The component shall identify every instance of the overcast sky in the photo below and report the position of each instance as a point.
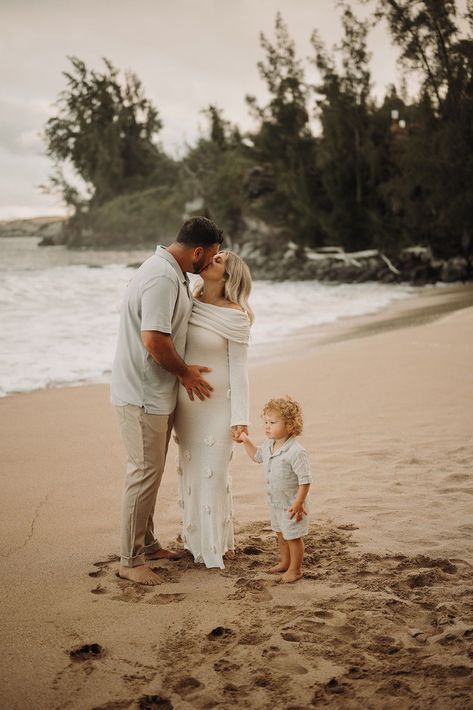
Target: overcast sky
(188, 53)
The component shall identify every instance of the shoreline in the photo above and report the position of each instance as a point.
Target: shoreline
(382, 617)
(426, 304)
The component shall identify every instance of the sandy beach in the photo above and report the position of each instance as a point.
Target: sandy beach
(384, 615)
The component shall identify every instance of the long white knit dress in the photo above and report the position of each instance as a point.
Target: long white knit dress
(218, 338)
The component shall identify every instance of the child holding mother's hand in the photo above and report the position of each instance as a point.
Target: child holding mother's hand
(288, 481)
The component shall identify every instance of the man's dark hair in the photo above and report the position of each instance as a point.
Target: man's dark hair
(199, 232)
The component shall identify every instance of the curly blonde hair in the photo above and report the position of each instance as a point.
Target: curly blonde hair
(290, 412)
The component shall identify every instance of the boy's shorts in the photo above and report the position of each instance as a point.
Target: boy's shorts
(289, 527)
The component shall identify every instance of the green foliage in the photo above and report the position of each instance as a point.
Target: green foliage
(105, 128)
(284, 139)
(346, 144)
(133, 219)
(215, 169)
(435, 161)
(324, 161)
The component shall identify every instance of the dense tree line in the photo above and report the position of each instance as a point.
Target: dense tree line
(326, 162)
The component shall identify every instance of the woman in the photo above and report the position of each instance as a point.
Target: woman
(218, 334)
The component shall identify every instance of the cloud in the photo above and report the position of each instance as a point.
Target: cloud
(21, 124)
(188, 54)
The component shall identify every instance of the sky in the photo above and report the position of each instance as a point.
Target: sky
(187, 53)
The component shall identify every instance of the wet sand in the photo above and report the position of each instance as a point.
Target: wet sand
(384, 615)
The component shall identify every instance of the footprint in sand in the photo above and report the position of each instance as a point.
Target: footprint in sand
(253, 638)
(424, 578)
(131, 592)
(114, 705)
(322, 614)
(154, 702)
(167, 575)
(422, 561)
(187, 685)
(220, 633)
(291, 636)
(103, 565)
(258, 588)
(348, 526)
(273, 652)
(99, 590)
(89, 650)
(166, 598)
(252, 550)
(458, 477)
(223, 665)
(263, 679)
(458, 491)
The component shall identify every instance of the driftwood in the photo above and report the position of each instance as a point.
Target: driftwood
(272, 259)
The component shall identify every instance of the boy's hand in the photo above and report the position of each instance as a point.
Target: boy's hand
(239, 431)
(297, 511)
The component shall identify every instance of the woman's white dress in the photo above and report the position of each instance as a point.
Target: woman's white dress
(217, 338)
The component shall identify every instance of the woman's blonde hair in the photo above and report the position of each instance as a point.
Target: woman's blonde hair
(237, 282)
(290, 412)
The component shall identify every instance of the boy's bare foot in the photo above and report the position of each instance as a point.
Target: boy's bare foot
(290, 576)
(139, 575)
(164, 555)
(280, 567)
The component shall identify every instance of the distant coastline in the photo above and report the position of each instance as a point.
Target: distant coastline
(32, 227)
(271, 254)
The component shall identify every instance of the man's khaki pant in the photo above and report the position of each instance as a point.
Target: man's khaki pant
(146, 438)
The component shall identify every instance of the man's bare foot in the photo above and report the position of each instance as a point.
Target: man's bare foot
(164, 555)
(140, 575)
(280, 567)
(290, 576)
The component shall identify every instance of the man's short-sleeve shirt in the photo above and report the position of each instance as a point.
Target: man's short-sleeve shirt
(157, 298)
(285, 470)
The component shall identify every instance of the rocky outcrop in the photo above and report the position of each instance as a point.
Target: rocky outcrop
(46, 228)
(272, 254)
(52, 234)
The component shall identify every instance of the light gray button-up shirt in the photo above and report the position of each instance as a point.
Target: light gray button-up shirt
(286, 470)
(157, 298)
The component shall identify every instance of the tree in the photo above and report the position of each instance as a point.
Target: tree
(106, 129)
(347, 152)
(214, 170)
(436, 159)
(284, 140)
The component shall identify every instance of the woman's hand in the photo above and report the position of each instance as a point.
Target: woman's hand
(237, 430)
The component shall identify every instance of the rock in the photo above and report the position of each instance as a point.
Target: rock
(455, 269)
(418, 266)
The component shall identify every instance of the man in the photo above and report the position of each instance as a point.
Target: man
(146, 371)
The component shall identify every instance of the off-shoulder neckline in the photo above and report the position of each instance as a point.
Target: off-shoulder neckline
(214, 305)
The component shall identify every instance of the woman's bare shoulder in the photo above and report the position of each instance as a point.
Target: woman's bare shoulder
(235, 306)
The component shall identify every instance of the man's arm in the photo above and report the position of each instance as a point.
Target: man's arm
(161, 348)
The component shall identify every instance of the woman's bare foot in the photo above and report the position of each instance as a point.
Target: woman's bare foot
(164, 555)
(140, 575)
(290, 576)
(229, 555)
(280, 567)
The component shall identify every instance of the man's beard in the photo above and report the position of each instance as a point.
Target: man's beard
(199, 265)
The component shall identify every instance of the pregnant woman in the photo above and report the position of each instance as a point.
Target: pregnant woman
(218, 334)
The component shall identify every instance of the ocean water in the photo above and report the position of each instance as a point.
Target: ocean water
(59, 311)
